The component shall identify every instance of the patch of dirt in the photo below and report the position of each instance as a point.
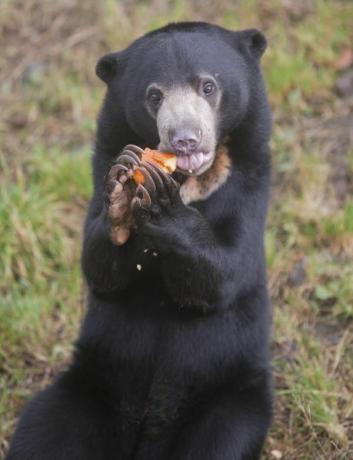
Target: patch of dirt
(37, 31)
(334, 136)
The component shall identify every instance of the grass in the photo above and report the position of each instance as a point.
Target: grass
(50, 97)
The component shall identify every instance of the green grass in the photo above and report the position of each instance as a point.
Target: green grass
(47, 127)
(41, 210)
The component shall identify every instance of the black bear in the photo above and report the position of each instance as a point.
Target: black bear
(172, 362)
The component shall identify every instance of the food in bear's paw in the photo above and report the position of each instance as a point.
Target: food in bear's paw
(134, 178)
(166, 161)
(138, 177)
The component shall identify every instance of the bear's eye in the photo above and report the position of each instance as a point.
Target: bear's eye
(155, 97)
(208, 88)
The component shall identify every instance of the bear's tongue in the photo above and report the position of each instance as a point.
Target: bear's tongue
(190, 162)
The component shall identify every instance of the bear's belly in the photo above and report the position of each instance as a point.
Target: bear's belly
(155, 363)
(156, 339)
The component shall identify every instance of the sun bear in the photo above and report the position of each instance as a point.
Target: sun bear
(172, 361)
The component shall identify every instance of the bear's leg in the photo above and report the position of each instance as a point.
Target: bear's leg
(59, 424)
(231, 427)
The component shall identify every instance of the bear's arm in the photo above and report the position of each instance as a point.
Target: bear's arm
(107, 267)
(204, 270)
(209, 274)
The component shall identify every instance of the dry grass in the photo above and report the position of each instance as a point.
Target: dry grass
(50, 97)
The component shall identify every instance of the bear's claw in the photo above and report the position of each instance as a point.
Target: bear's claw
(129, 159)
(148, 183)
(169, 187)
(142, 197)
(134, 149)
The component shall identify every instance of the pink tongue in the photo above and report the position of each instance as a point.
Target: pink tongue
(184, 162)
(190, 162)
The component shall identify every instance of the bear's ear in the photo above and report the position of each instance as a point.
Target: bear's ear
(108, 66)
(254, 41)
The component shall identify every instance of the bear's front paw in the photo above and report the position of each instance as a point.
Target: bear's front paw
(138, 192)
(157, 208)
(119, 192)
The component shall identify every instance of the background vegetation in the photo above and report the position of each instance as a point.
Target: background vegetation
(49, 98)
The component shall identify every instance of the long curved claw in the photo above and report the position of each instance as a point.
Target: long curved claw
(135, 149)
(129, 160)
(143, 195)
(115, 180)
(169, 183)
(132, 154)
(117, 171)
(155, 176)
(148, 181)
(136, 204)
(140, 213)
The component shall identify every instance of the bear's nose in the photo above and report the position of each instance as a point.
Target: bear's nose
(184, 140)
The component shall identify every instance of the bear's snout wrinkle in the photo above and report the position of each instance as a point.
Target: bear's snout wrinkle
(185, 140)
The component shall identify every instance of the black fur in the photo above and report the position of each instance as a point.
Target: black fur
(172, 361)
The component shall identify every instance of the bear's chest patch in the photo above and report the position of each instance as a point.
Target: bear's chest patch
(199, 188)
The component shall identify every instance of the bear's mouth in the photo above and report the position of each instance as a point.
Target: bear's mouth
(195, 163)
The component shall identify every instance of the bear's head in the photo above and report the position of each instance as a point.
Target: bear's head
(186, 86)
